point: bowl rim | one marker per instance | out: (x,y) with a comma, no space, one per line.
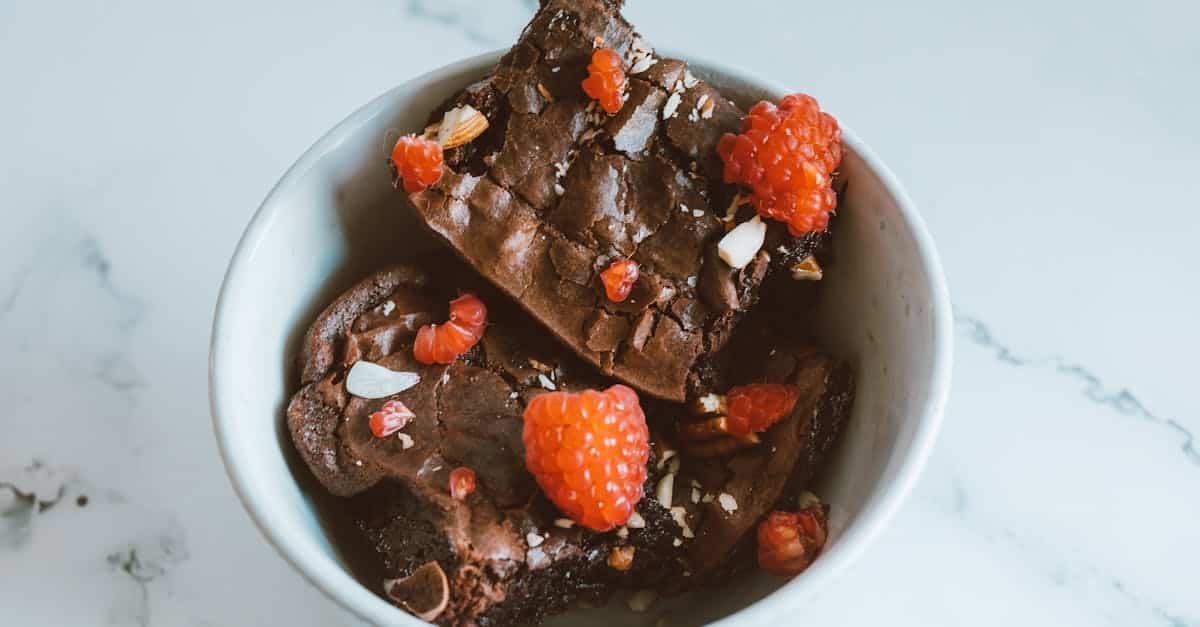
(878,511)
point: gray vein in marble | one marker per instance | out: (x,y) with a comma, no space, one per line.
(1063,573)
(1122,401)
(436,13)
(145,562)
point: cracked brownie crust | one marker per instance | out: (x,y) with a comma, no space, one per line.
(556,190)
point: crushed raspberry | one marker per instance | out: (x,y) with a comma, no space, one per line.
(443,343)
(392,417)
(789,542)
(418,161)
(754,408)
(606,80)
(787,155)
(618,279)
(462,483)
(588,452)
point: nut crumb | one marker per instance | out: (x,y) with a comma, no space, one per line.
(534,539)
(559,190)
(564,523)
(695,495)
(697,213)
(676,542)
(545,382)
(727,502)
(665,490)
(406,441)
(636,521)
(623,532)
(621,558)
(387,308)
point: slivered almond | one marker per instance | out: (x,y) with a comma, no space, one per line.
(461,125)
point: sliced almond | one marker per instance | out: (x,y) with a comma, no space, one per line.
(461,125)
(740,245)
(368,380)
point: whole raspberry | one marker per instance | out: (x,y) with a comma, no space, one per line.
(754,408)
(618,279)
(606,80)
(443,343)
(418,161)
(588,452)
(789,542)
(787,155)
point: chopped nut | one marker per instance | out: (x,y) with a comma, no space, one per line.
(676,542)
(671,106)
(461,125)
(622,532)
(667,454)
(695,495)
(621,557)
(807,269)
(387,308)
(564,523)
(707,108)
(665,490)
(642,64)
(697,213)
(680,516)
(707,498)
(534,539)
(545,92)
(545,382)
(406,441)
(740,245)
(807,499)
(727,502)
(689,79)
(636,521)
(559,190)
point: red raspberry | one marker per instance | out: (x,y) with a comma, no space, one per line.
(789,542)
(787,155)
(392,417)
(606,80)
(443,343)
(418,161)
(754,408)
(619,278)
(462,483)
(588,452)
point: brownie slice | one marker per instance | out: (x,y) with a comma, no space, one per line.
(556,190)
(506,554)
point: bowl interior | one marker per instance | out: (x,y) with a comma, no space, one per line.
(334,217)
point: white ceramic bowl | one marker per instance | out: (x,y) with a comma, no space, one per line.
(334,217)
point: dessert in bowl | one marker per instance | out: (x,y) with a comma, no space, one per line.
(339,273)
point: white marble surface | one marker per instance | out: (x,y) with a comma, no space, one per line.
(1053,148)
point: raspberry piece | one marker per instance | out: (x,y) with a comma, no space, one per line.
(786,155)
(788,542)
(588,452)
(392,417)
(443,343)
(462,483)
(754,408)
(606,80)
(618,279)
(418,161)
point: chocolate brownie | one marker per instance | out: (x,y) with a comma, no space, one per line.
(556,190)
(505,555)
